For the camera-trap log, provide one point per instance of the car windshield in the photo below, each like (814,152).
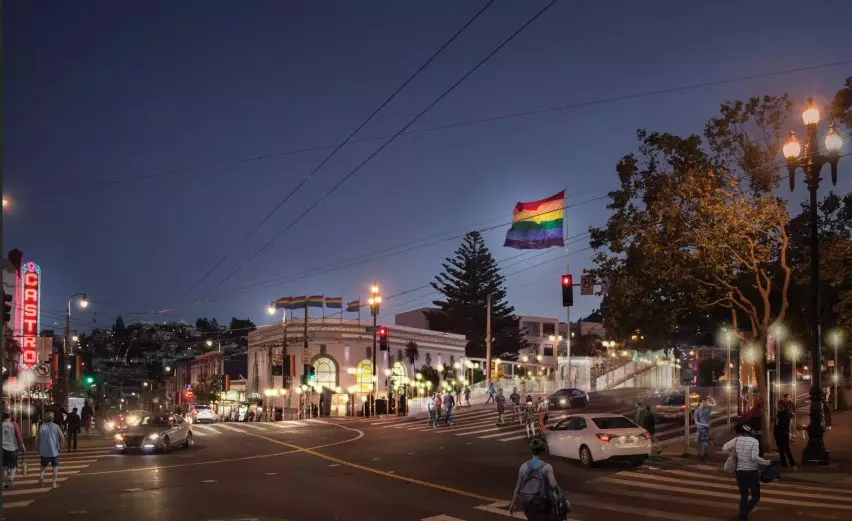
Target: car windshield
(156,420)
(614,422)
(673,400)
(201,407)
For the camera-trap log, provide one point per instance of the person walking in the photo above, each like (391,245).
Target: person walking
(13,441)
(537,493)
(541,407)
(500,400)
(490,393)
(702,428)
(458,395)
(515,398)
(530,417)
(449,405)
(467,395)
(49,442)
(639,414)
(782,435)
(745,450)
(430,406)
(438,404)
(651,427)
(72,429)
(87,414)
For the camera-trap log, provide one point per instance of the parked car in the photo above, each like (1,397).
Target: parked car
(593,438)
(155,432)
(673,406)
(567,399)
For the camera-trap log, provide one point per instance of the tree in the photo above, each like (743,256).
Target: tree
(697,227)
(205,325)
(412,354)
(240,327)
(119,328)
(466,281)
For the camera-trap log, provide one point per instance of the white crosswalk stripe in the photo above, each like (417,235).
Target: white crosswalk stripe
(708,487)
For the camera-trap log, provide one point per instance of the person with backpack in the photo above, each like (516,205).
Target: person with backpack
(449,404)
(537,493)
(500,400)
(744,462)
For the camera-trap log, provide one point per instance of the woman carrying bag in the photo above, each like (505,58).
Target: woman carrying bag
(744,463)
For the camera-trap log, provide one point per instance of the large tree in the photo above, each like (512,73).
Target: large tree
(468,278)
(696,226)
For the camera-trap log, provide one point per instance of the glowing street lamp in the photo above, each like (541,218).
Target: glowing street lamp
(835,339)
(270,309)
(375,302)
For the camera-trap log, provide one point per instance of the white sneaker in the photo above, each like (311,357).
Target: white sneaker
(55,485)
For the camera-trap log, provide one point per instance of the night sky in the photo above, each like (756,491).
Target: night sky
(100,94)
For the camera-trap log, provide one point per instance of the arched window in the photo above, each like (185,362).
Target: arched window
(364,376)
(398,375)
(326,372)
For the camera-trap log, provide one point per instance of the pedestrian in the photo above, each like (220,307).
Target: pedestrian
(430,407)
(500,401)
(13,441)
(87,414)
(530,416)
(438,403)
(467,395)
(639,414)
(541,407)
(72,429)
(754,418)
(537,493)
(745,452)
(59,417)
(458,395)
(782,435)
(515,398)
(449,405)
(490,393)
(702,428)
(826,411)
(49,442)
(651,426)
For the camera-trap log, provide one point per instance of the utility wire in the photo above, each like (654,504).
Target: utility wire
(343,143)
(384,145)
(515,115)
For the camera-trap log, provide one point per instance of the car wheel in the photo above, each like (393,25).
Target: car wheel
(637,461)
(586,459)
(188,442)
(167,445)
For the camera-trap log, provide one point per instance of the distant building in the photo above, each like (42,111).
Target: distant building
(417,318)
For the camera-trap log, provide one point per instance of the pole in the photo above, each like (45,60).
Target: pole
(375,377)
(488,341)
(305,362)
(686,419)
(66,341)
(836,378)
(568,340)
(795,392)
(728,372)
(815,450)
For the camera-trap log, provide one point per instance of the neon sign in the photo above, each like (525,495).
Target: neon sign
(30,295)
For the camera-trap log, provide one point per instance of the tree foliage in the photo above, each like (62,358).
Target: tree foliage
(696,227)
(468,278)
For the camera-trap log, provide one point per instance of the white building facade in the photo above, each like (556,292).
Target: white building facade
(340,353)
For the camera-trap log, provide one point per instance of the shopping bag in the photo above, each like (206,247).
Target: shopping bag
(24,465)
(770,475)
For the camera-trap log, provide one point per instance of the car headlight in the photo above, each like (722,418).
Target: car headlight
(119,437)
(109,426)
(154,436)
(563,401)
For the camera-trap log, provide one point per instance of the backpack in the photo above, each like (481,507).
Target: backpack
(533,493)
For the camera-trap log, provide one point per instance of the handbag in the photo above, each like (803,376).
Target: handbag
(770,475)
(731,463)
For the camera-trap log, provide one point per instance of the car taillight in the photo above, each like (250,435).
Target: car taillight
(683,407)
(647,436)
(605,437)
(659,407)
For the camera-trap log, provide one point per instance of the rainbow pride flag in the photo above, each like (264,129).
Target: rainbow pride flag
(298,302)
(353,305)
(284,303)
(315,301)
(334,302)
(538,224)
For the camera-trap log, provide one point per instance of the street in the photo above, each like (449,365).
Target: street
(384,469)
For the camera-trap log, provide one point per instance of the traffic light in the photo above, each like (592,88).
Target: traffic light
(89,380)
(308,374)
(382,332)
(567,291)
(7,309)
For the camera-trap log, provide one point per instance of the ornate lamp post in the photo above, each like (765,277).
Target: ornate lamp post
(810,160)
(375,302)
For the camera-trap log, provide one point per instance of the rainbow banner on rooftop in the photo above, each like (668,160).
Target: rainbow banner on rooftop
(537,225)
(315,301)
(334,302)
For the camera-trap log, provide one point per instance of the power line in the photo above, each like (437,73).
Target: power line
(343,143)
(384,145)
(471,122)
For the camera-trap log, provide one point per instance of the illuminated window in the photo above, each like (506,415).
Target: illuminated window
(326,372)
(364,376)
(398,375)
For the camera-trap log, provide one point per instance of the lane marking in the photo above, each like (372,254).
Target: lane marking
(17,504)
(727,479)
(203,428)
(209,480)
(133,489)
(9,492)
(407,479)
(270,474)
(227,427)
(502,508)
(227,460)
(255,427)
(591,502)
(334,465)
(34,481)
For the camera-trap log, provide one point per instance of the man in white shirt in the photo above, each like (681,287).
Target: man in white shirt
(747,450)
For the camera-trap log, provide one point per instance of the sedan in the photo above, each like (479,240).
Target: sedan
(567,399)
(593,438)
(673,406)
(155,432)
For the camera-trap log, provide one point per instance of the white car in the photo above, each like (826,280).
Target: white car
(203,414)
(592,438)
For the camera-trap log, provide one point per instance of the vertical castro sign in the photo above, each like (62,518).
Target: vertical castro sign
(30,296)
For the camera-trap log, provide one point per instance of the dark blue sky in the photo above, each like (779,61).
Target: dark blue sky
(98,92)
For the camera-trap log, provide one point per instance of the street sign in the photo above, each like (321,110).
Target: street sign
(42,370)
(587,285)
(372,329)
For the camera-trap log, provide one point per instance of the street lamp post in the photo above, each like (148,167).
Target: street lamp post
(794,356)
(375,302)
(811,161)
(728,372)
(84,303)
(835,338)
(556,339)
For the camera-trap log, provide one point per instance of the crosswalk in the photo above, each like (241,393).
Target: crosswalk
(201,431)
(27,489)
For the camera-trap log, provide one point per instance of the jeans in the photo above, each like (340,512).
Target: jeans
(72,439)
(449,416)
(782,440)
(748,481)
(490,399)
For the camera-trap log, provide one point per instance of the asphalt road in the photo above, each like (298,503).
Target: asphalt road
(385,469)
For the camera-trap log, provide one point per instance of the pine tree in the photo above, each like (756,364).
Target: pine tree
(468,278)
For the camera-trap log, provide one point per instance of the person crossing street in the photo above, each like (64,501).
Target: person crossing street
(49,442)
(449,405)
(500,401)
(72,429)
(515,398)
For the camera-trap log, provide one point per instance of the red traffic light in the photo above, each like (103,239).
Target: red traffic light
(383,331)
(567,280)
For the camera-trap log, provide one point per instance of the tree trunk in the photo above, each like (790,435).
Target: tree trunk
(766,428)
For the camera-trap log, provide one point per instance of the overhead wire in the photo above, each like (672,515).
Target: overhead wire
(343,143)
